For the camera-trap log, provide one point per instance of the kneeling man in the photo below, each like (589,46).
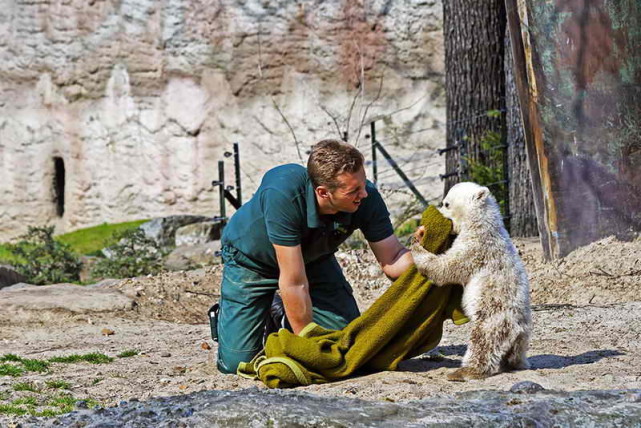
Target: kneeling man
(285,238)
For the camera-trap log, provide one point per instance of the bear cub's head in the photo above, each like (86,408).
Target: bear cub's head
(468,202)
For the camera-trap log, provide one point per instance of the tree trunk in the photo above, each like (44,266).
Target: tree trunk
(520,193)
(474,48)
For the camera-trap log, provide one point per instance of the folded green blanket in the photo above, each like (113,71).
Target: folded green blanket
(406,321)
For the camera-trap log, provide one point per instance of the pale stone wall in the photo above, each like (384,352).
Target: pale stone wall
(140,98)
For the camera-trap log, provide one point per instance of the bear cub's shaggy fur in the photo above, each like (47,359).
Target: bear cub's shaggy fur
(496,291)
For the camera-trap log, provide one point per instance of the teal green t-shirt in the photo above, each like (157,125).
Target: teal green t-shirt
(283,211)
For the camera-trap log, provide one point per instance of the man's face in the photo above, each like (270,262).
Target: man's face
(351,191)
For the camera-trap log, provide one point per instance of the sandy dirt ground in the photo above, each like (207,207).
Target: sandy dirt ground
(586,334)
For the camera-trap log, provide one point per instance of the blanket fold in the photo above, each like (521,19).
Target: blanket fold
(406,321)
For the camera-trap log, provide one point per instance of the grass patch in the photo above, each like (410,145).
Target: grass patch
(47,413)
(63,402)
(29,401)
(34,365)
(10,357)
(26,364)
(10,370)
(10,409)
(96,381)
(57,384)
(128,353)
(93,358)
(25,386)
(93,239)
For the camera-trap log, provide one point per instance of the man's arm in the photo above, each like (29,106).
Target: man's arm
(393,257)
(293,285)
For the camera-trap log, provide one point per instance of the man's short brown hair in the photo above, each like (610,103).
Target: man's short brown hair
(331,158)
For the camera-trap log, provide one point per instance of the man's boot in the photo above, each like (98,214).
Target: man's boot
(275,318)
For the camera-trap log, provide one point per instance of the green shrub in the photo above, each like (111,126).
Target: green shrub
(489,171)
(133,255)
(42,259)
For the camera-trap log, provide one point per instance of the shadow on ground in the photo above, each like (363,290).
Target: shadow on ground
(437,358)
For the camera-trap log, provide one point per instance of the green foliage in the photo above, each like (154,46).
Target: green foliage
(10,409)
(93,358)
(63,402)
(92,239)
(128,353)
(10,357)
(10,370)
(6,256)
(133,255)
(42,259)
(25,364)
(407,228)
(29,401)
(34,365)
(25,386)
(489,170)
(57,384)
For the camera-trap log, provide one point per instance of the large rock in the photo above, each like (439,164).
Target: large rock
(61,298)
(163,229)
(190,257)
(198,233)
(255,407)
(9,277)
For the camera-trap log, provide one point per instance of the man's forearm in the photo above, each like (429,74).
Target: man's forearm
(400,264)
(298,304)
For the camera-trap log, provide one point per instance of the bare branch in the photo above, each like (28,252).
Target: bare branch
(361,90)
(334,119)
(351,107)
(378,95)
(406,107)
(274,103)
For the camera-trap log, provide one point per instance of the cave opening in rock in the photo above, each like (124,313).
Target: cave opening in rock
(59,185)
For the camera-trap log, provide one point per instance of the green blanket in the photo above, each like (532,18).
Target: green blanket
(406,321)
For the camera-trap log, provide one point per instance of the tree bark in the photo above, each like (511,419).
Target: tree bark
(474,50)
(520,193)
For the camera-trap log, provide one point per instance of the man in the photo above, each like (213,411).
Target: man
(284,239)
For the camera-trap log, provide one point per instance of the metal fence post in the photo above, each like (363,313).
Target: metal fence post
(237,171)
(373,139)
(221,189)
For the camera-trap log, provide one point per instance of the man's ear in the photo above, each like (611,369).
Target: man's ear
(322,192)
(482,193)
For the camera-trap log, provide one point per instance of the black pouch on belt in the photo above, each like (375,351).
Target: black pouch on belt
(213,321)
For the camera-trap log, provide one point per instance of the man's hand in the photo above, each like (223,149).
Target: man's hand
(294,287)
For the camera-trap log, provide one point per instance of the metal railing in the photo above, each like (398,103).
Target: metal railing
(377,146)
(225,191)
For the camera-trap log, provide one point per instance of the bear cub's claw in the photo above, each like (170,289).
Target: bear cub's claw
(465,373)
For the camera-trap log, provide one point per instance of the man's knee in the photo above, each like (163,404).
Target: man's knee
(228,359)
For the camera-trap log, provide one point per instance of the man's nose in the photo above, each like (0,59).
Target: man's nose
(363,194)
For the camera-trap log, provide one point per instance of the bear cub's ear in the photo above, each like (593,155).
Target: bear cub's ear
(482,193)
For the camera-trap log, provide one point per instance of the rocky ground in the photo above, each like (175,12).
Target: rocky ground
(586,335)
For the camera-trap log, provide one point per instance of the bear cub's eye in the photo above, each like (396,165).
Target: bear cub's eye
(447,204)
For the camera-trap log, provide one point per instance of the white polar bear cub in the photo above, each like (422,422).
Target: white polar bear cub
(496,291)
